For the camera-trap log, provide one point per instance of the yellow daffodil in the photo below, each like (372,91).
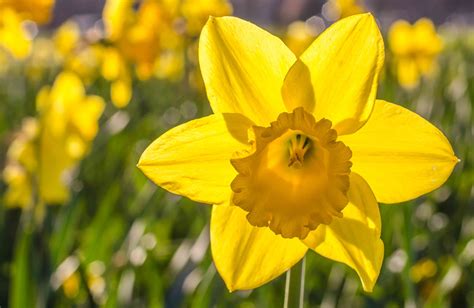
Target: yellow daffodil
(425,268)
(117,14)
(298,151)
(154,37)
(299,36)
(196,13)
(170,65)
(71,285)
(66,38)
(86,62)
(338,9)
(136,34)
(415,49)
(21,164)
(19,186)
(13,37)
(69,121)
(137,37)
(38,11)
(114,68)
(47,149)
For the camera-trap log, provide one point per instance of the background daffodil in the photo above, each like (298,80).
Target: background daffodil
(47,149)
(338,9)
(300,35)
(298,152)
(13,35)
(415,49)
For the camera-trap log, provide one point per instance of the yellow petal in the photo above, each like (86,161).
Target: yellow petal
(354,239)
(243,68)
(247,257)
(338,73)
(400,154)
(193,159)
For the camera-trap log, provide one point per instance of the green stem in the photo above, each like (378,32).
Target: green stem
(294,288)
(408,236)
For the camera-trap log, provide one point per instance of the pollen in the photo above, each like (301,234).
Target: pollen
(295,177)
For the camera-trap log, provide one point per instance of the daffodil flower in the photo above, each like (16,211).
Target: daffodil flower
(69,120)
(38,11)
(13,36)
(338,9)
(50,146)
(299,36)
(298,152)
(415,49)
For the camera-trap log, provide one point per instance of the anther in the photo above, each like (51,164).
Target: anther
(299,145)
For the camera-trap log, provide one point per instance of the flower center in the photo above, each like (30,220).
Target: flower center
(295,177)
(299,145)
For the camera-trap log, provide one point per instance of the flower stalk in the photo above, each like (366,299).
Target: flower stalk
(294,287)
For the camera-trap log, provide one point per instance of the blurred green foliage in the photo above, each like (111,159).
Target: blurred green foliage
(122,241)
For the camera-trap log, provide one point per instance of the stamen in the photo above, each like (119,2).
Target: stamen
(299,145)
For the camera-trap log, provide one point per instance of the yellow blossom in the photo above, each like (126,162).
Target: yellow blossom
(137,38)
(121,92)
(154,37)
(13,37)
(38,11)
(117,15)
(66,38)
(170,65)
(415,49)
(47,149)
(69,121)
(136,34)
(67,112)
(425,268)
(86,62)
(338,9)
(299,36)
(196,13)
(114,68)
(298,152)
(21,165)
(19,186)
(71,285)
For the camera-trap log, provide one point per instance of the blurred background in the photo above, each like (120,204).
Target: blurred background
(86,85)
